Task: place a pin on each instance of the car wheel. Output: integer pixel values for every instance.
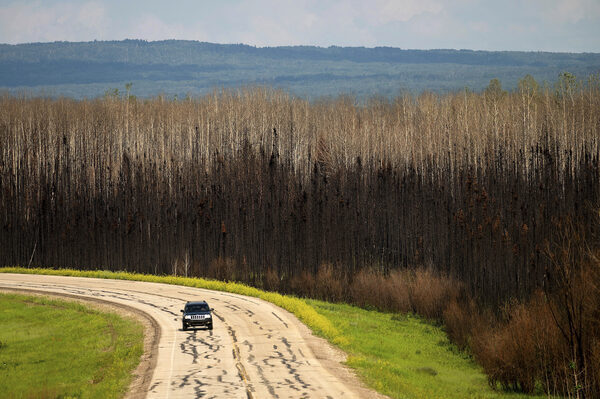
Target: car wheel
(184, 327)
(210, 326)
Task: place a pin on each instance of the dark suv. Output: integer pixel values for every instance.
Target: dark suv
(196, 314)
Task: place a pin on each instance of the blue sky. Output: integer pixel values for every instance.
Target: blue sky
(545, 25)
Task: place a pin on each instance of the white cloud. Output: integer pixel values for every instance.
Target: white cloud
(435, 26)
(264, 30)
(480, 26)
(569, 11)
(324, 22)
(32, 22)
(150, 27)
(386, 11)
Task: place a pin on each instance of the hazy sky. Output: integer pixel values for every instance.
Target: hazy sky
(548, 25)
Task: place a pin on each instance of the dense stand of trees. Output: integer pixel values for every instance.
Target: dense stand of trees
(255, 183)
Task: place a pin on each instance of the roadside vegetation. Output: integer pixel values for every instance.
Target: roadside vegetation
(476, 210)
(404, 356)
(60, 349)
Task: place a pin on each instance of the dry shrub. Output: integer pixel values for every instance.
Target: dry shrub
(372, 289)
(365, 290)
(329, 283)
(525, 348)
(553, 339)
(573, 292)
(222, 268)
(397, 288)
(421, 291)
(461, 319)
(431, 293)
(271, 280)
(303, 285)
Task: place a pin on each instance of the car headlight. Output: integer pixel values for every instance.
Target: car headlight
(187, 317)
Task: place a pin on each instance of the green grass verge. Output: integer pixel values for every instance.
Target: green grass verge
(59, 349)
(401, 356)
(404, 356)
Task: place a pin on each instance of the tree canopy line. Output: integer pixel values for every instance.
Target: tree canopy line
(268, 189)
(174, 52)
(177, 67)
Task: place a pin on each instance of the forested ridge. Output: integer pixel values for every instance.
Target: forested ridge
(174, 52)
(177, 67)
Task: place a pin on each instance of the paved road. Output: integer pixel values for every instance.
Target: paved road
(256, 350)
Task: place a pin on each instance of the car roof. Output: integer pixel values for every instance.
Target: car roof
(196, 303)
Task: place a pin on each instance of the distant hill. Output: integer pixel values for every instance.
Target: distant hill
(176, 67)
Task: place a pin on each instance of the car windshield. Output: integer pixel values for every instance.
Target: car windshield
(196, 308)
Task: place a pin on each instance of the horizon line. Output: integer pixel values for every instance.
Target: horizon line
(296, 46)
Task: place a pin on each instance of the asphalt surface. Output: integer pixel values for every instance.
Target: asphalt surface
(256, 349)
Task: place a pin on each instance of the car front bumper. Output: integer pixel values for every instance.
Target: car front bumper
(197, 323)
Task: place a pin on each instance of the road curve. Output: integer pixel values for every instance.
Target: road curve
(256, 349)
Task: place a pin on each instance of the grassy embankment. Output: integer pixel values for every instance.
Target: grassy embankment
(401, 356)
(54, 348)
